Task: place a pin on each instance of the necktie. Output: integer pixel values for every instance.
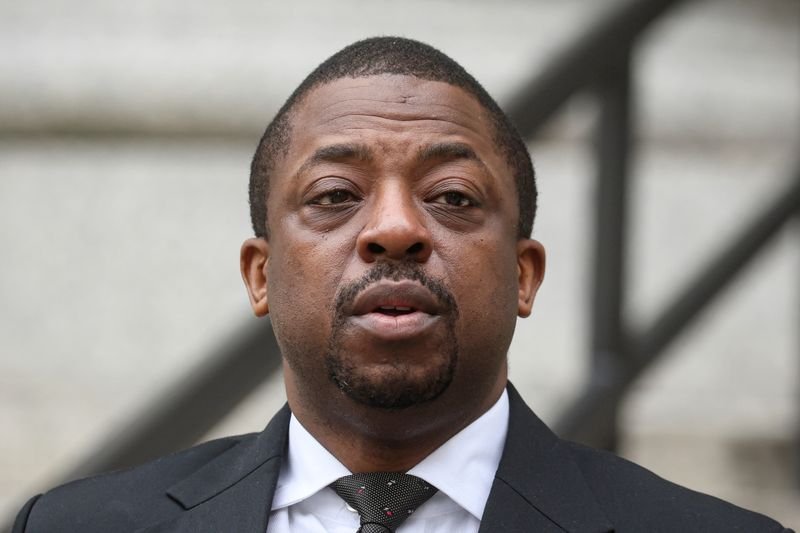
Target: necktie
(383, 499)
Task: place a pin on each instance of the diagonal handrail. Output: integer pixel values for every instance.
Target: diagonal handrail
(191, 406)
(580, 420)
(577, 66)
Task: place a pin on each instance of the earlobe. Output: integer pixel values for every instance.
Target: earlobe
(530, 273)
(253, 260)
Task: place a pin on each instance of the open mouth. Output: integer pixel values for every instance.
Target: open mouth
(394, 310)
(395, 298)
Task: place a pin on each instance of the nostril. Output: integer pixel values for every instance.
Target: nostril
(415, 248)
(375, 248)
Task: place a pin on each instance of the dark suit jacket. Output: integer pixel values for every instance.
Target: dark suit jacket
(543, 484)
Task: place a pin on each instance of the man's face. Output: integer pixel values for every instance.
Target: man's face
(393, 272)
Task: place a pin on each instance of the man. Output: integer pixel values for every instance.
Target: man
(392, 204)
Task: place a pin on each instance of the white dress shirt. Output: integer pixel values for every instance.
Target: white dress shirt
(462, 468)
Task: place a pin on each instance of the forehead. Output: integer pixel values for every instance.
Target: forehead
(391, 111)
(391, 97)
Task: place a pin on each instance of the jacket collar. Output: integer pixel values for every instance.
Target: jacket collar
(233, 492)
(538, 485)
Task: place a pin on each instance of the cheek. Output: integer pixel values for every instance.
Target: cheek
(302, 281)
(485, 280)
(484, 268)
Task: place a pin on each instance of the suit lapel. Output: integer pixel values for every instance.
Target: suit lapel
(234, 491)
(538, 486)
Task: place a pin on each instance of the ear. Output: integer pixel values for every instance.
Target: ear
(253, 263)
(530, 273)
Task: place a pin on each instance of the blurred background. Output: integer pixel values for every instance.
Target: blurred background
(126, 131)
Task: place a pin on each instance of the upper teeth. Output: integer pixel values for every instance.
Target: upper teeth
(395, 307)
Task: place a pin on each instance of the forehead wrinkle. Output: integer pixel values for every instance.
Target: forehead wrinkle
(393, 118)
(337, 153)
(380, 122)
(401, 111)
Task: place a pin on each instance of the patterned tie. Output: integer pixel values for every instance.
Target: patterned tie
(383, 499)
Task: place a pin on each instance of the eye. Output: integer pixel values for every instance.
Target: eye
(455, 199)
(338, 196)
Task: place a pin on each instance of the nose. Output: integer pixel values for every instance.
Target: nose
(395, 229)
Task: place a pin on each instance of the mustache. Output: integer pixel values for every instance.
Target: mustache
(396, 272)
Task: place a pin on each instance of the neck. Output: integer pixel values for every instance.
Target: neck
(367, 439)
(369, 455)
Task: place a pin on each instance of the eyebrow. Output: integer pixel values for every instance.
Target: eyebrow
(344, 152)
(338, 153)
(450, 151)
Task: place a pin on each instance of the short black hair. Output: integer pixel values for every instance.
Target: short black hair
(399, 56)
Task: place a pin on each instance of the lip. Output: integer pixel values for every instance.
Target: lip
(395, 328)
(395, 294)
(424, 310)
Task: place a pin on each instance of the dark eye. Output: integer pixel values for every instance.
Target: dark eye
(454, 198)
(339, 196)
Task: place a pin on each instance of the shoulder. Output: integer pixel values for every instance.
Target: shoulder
(636, 499)
(122, 500)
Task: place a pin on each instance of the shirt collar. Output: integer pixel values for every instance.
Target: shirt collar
(474, 453)
(307, 468)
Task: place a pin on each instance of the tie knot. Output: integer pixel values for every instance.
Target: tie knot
(383, 499)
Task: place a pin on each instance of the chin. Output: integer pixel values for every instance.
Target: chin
(391, 387)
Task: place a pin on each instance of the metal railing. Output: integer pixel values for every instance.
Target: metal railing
(599, 62)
